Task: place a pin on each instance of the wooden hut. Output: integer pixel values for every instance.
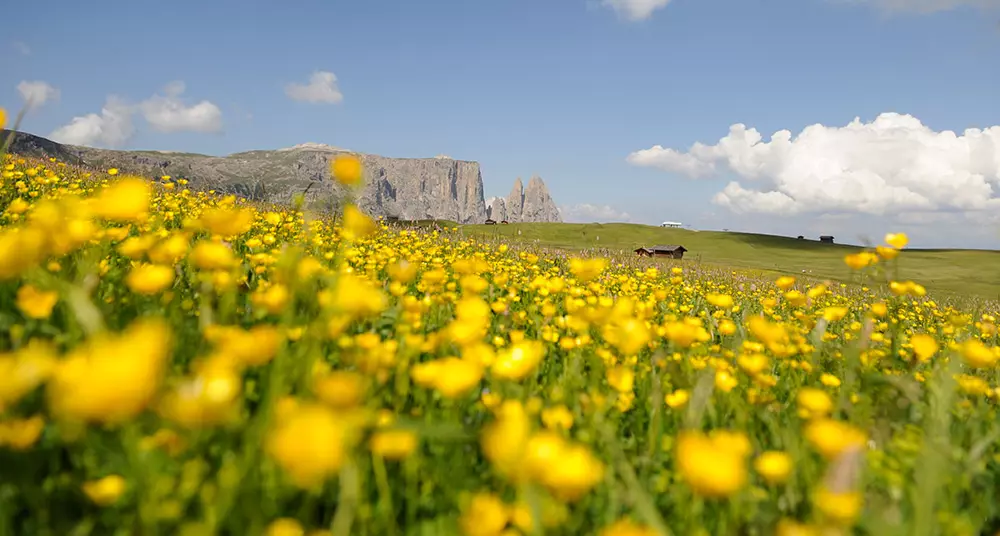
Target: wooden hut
(670, 251)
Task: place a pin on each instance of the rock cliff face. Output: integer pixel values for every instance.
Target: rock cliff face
(496, 209)
(406, 188)
(531, 204)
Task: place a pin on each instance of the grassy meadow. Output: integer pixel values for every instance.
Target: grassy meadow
(173, 362)
(953, 272)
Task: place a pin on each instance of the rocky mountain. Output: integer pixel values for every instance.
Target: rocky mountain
(531, 204)
(404, 188)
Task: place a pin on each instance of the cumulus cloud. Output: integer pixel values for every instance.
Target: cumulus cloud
(168, 113)
(22, 48)
(322, 88)
(635, 10)
(924, 6)
(889, 165)
(587, 213)
(111, 128)
(36, 92)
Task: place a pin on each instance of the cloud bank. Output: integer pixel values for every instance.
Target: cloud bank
(114, 125)
(321, 89)
(36, 93)
(892, 164)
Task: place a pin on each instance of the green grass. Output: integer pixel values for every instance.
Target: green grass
(965, 273)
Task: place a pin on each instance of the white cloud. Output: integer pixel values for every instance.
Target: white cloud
(36, 92)
(892, 164)
(168, 113)
(22, 48)
(925, 6)
(111, 128)
(587, 213)
(322, 88)
(635, 9)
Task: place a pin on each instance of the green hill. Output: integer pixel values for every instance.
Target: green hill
(957, 272)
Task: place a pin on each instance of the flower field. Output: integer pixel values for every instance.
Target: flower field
(179, 362)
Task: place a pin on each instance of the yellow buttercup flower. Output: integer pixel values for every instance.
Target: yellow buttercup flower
(310, 444)
(347, 170)
(112, 377)
(35, 303)
(105, 491)
(773, 466)
(150, 278)
(712, 467)
(897, 240)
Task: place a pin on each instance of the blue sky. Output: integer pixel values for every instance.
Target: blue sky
(568, 90)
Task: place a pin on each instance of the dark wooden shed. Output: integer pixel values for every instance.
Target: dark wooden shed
(826, 238)
(671, 251)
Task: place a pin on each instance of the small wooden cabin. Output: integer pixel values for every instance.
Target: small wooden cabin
(490, 221)
(826, 239)
(671, 251)
(504, 222)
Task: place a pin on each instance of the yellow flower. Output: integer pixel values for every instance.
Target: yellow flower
(112, 377)
(712, 467)
(451, 376)
(831, 438)
(212, 255)
(113, 171)
(840, 508)
(503, 441)
(24, 370)
(519, 360)
(677, 398)
(105, 491)
(785, 282)
(621, 379)
(773, 466)
(35, 303)
(347, 170)
(978, 355)
(586, 270)
(285, 526)
(924, 346)
(125, 200)
(357, 224)
(227, 221)
(557, 417)
(393, 444)
(310, 444)
(813, 403)
(897, 240)
(857, 261)
(149, 278)
(21, 434)
(3, 118)
(627, 527)
(340, 389)
(485, 515)
(722, 301)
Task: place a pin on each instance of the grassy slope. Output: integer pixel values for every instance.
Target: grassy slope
(960, 272)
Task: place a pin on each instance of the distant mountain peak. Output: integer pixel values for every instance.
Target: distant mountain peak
(312, 146)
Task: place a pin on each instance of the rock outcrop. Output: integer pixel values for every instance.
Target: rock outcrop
(404, 188)
(496, 209)
(531, 204)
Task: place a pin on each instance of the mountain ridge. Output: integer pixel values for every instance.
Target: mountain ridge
(436, 187)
